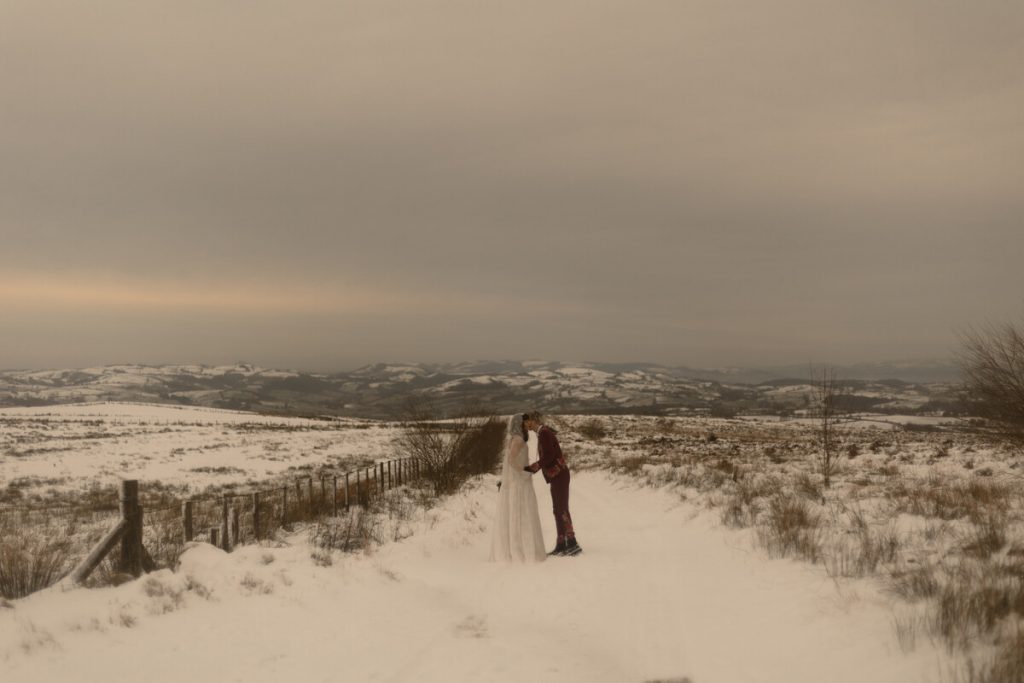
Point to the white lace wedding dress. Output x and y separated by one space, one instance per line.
516 536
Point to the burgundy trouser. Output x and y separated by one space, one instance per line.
560 503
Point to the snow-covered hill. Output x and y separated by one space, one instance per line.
384 390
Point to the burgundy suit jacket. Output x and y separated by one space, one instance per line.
550 459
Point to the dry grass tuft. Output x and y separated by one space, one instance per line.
631 464
33 559
914 584
976 599
789 528
949 499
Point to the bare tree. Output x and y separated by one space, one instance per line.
824 391
992 360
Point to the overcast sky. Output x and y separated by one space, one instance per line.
319 185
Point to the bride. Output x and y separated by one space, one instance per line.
517 535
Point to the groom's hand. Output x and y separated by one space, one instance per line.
528 469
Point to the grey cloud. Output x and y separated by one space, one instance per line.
701 182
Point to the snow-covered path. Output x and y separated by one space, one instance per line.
661 592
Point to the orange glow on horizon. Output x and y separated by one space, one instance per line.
34 293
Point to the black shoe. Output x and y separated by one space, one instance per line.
559 549
572 548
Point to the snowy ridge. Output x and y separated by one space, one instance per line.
384 390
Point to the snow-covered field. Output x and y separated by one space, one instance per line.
679 518
660 593
51 452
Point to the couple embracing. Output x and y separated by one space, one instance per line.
517 535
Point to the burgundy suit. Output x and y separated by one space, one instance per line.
556 473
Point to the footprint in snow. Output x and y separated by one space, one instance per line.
473 626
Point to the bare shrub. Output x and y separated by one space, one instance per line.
451 450
352 531
33 559
593 430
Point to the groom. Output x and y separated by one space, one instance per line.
556 473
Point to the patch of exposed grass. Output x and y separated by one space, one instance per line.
789 528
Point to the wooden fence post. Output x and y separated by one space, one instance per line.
357 487
381 482
334 498
186 521
391 484
256 515
131 542
236 527
214 536
323 493
225 527
106 544
309 489
346 491
284 505
298 499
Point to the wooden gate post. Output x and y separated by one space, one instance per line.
131 542
186 521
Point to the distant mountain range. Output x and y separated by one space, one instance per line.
386 390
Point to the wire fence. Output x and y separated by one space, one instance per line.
41 545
